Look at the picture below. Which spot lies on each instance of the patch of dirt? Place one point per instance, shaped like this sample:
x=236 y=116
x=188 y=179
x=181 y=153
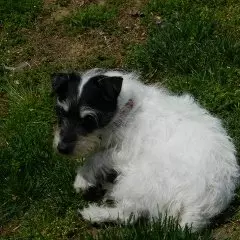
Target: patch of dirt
x=62 y=49
x=71 y=4
x=93 y=232
x=9 y=229
x=228 y=231
x=49 y=43
x=57 y=11
x=130 y=21
x=60 y=14
x=46 y=2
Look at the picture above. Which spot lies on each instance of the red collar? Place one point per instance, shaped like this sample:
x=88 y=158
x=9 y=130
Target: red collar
x=126 y=108
x=123 y=112
x=129 y=104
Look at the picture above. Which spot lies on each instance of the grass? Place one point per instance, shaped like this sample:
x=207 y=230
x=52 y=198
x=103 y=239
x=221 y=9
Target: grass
x=188 y=40
x=17 y=14
x=191 y=46
x=93 y=16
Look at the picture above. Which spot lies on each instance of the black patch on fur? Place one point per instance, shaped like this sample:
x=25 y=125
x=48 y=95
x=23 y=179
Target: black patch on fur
x=96 y=193
x=100 y=93
x=65 y=84
x=112 y=175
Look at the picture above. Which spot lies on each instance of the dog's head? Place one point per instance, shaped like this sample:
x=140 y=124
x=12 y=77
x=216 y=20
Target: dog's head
x=84 y=104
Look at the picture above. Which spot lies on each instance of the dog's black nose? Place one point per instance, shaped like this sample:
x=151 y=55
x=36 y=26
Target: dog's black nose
x=64 y=148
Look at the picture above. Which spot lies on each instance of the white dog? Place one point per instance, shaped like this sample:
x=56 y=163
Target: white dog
x=171 y=156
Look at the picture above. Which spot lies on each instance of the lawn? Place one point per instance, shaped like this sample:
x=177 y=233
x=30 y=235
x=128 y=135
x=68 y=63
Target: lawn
x=185 y=45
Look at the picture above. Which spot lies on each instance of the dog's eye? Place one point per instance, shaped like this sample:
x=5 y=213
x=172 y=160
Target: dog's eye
x=89 y=122
x=88 y=118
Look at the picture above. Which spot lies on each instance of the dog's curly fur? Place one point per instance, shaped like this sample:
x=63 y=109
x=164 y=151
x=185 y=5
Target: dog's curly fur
x=171 y=155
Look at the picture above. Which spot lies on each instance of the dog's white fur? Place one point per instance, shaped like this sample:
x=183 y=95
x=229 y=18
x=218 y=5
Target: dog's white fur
x=173 y=158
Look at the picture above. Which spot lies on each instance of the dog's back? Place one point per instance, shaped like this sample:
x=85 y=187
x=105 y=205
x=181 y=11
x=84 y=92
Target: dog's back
x=174 y=157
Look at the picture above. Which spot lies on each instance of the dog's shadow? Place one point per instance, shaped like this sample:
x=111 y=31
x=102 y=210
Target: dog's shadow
x=226 y=215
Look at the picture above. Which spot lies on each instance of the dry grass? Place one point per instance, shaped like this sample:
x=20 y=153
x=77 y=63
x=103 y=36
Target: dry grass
x=228 y=231
x=49 y=43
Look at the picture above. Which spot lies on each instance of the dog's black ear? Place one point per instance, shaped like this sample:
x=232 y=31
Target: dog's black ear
x=111 y=86
x=59 y=82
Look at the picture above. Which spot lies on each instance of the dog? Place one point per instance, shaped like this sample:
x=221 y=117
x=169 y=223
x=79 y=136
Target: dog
x=171 y=156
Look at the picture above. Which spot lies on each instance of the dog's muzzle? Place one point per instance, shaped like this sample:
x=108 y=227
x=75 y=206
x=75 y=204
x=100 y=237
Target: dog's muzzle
x=65 y=148
x=64 y=144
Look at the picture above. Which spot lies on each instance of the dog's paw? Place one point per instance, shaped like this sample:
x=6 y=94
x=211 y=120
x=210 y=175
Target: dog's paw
x=91 y=214
x=81 y=184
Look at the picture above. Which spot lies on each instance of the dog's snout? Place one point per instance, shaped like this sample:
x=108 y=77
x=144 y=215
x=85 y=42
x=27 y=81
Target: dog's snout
x=64 y=148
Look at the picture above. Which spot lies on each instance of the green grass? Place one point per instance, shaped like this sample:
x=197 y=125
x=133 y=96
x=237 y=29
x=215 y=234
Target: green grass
x=191 y=39
x=28 y=165
x=93 y=17
x=16 y=14
x=194 y=49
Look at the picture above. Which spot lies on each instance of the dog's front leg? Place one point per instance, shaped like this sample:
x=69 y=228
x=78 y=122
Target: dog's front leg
x=95 y=171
